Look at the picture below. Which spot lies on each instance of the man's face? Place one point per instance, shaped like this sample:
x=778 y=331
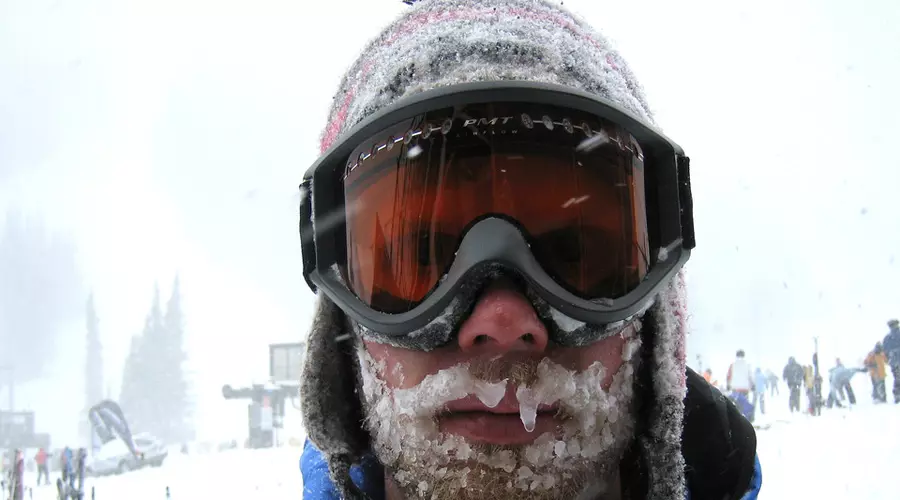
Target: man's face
x=501 y=411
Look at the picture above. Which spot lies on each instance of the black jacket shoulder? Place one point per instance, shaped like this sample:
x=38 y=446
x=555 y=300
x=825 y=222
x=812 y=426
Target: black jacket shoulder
x=718 y=443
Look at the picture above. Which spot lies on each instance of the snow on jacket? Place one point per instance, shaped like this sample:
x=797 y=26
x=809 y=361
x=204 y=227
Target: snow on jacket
x=740 y=378
x=892 y=346
x=876 y=362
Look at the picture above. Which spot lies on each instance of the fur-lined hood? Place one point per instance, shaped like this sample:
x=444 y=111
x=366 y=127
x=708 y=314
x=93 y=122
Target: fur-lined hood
x=438 y=43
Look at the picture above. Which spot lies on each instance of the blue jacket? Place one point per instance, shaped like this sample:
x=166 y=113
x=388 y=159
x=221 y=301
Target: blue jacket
x=67 y=460
x=892 y=346
x=369 y=477
x=760 y=381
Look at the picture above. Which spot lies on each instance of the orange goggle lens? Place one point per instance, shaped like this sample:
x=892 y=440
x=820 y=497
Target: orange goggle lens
x=573 y=183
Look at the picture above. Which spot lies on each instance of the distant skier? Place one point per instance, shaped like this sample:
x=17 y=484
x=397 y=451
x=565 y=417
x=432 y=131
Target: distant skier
x=818 y=401
x=739 y=382
x=66 y=466
x=772 y=383
x=80 y=458
x=876 y=362
x=892 y=350
x=759 y=393
x=40 y=459
x=793 y=377
x=810 y=382
x=839 y=378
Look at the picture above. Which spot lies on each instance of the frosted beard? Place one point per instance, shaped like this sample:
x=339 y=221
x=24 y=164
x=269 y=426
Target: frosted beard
x=580 y=462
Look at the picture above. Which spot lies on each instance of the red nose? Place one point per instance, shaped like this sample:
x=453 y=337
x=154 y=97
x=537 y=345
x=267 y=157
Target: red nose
x=503 y=320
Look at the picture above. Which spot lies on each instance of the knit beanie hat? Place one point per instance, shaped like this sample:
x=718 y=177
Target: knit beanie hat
x=439 y=43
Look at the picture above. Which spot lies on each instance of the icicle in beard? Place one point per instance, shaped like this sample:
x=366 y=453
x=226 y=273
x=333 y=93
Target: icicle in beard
x=582 y=462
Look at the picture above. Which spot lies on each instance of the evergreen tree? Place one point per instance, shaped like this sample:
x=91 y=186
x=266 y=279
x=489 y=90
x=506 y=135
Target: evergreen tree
x=94 y=357
x=93 y=373
x=155 y=391
x=131 y=398
x=174 y=384
x=139 y=399
x=41 y=292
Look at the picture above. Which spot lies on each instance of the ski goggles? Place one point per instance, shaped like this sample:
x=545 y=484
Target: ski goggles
x=588 y=204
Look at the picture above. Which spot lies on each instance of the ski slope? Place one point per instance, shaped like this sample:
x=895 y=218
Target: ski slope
x=844 y=453
x=245 y=474
x=841 y=454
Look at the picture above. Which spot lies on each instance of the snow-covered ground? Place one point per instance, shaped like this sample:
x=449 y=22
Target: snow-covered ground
x=842 y=454
x=240 y=474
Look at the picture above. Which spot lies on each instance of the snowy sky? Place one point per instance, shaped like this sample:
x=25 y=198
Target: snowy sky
x=169 y=137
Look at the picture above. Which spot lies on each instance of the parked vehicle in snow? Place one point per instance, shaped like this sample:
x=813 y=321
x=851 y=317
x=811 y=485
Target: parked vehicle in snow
x=114 y=457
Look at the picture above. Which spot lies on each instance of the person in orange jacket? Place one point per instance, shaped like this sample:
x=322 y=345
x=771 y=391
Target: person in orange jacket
x=40 y=459
x=876 y=362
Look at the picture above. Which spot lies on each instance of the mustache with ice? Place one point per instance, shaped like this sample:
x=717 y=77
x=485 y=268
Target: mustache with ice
x=596 y=423
x=552 y=383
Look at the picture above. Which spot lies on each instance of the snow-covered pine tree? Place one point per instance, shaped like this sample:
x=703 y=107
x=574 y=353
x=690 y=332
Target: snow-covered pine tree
x=131 y=397
x=41 y=291
x=144 y=368
x=93 y=369
x=94 y=357
x=174 y=384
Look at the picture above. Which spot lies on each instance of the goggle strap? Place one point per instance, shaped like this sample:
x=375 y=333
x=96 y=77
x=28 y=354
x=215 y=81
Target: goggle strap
x=306 y=232
x=686 y=200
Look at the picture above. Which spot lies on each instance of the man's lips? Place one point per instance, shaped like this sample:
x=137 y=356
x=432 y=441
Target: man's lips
x=500 y=425
x=509 y=404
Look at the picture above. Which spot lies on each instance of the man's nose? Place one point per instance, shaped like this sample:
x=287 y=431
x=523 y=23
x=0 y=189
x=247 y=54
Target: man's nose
x=503 y=320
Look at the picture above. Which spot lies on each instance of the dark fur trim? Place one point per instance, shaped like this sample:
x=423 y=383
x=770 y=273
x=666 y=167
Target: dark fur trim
x=332 y=412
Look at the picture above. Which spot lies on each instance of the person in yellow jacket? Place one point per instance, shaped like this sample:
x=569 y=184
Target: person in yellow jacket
x=809 y=381
x=876 y=362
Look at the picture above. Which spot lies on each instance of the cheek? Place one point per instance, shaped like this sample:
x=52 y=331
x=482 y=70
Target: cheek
x=403 y=368
x=607 y=351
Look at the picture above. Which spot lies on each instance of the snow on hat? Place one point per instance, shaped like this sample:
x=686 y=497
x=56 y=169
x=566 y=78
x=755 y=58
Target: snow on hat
x=438 y=43
x=445 y=42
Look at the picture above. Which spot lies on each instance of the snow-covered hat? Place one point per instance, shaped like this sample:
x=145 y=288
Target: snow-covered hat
x=438 y=43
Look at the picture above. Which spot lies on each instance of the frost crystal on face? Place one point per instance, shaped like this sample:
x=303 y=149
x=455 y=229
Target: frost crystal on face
x=447 y=385
x=490 y=393
x=407 y=439
x=564 y=322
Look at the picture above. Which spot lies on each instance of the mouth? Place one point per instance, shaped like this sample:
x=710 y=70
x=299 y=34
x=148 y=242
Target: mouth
x=500 y=425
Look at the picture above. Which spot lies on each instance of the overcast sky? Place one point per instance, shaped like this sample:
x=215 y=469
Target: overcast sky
x=170 y=136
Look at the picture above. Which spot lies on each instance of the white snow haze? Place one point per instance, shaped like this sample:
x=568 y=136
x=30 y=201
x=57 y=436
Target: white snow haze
x=168 y=138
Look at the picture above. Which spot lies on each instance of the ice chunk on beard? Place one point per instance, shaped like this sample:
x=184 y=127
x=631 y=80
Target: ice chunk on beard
x=407 y=440
x=447 y=385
